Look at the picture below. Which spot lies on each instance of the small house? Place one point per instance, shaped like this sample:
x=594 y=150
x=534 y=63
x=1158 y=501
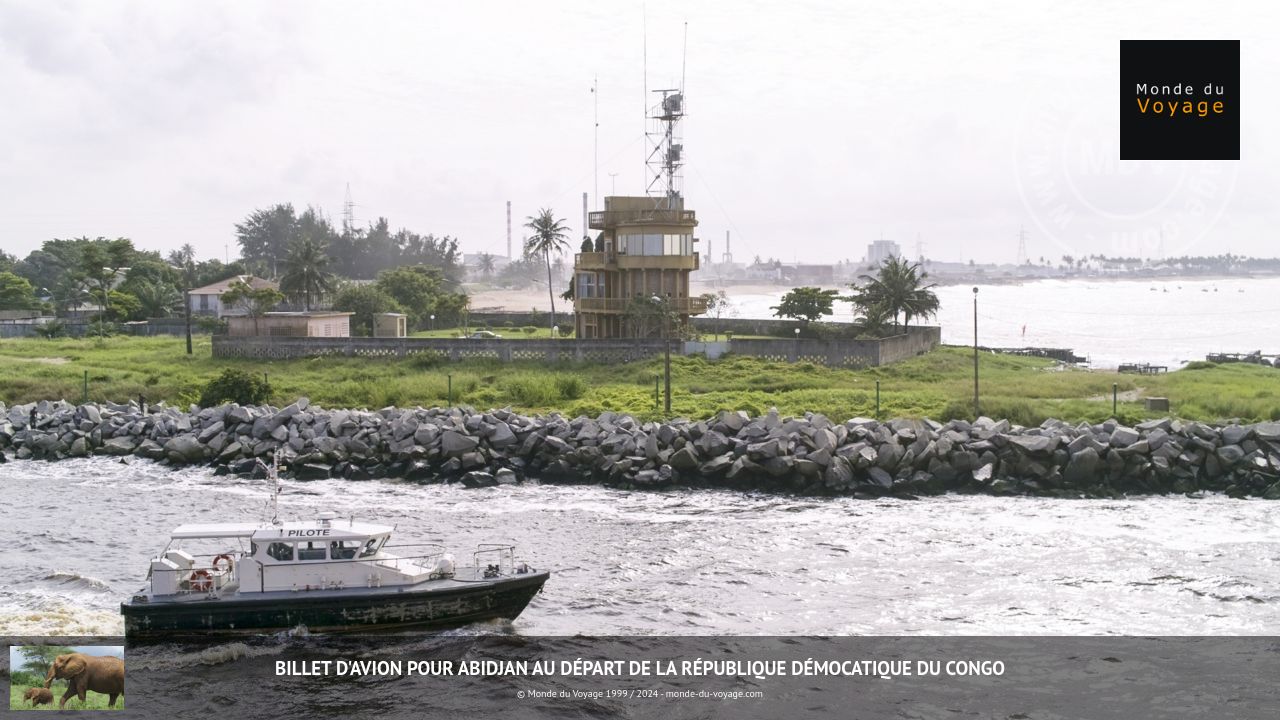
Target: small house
x=319 y=324
x=393 y=325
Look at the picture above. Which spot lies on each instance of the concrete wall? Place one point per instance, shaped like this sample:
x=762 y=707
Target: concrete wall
x=280 y=348
x=836 y=353
x=915 y=341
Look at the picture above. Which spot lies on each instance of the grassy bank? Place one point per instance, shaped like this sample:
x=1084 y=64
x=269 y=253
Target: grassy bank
x=937 y=385
x=92 y=700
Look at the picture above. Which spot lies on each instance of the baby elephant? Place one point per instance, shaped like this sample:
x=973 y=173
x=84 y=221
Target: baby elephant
x=38 y=696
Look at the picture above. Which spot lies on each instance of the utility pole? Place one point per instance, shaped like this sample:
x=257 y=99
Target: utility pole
x=187 y=308
x=509 y=257
x=664 y=304
x=976 y=412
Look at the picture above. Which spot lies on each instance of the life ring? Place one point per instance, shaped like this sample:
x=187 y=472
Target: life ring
x=230 y=562
x=201 y=581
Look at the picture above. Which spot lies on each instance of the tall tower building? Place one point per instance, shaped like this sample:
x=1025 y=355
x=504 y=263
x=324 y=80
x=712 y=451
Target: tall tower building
x=647 y=251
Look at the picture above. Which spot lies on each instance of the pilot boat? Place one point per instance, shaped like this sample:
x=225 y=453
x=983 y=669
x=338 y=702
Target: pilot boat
x=327 y=574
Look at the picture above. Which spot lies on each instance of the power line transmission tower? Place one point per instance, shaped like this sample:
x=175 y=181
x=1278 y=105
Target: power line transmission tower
x=348 y=213
x=1022 y=246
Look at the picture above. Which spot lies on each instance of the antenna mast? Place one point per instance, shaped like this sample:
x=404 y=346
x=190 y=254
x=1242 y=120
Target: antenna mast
x=1022 y=246
x=595 y=96
x=666 y=144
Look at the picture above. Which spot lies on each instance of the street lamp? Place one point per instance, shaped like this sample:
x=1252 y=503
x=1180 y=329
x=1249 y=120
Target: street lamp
x=433 y=323
x=666 y=353
x=976 y=413
x=796 y=350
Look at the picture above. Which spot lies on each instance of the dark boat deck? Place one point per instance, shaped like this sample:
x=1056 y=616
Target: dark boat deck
x=435 y=603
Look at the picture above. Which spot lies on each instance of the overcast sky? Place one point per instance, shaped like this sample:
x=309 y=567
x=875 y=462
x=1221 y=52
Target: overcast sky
x=813 y=127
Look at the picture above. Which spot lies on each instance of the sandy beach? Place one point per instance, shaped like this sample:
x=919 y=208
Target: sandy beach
x=485 y=299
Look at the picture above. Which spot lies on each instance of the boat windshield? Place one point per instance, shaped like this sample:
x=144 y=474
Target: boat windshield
x=343 y=549
x=310 y=550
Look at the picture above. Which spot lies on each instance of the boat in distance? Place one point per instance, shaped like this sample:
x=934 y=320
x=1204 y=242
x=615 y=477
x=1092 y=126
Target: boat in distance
x=327 y=574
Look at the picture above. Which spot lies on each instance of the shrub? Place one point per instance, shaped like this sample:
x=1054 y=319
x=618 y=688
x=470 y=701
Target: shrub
x=50 y=330
x=211 y=325
x=531 y=389
x=529 y=330
x=570 y=387
x=1200 y=365
x=235 y=386
x=101 y=328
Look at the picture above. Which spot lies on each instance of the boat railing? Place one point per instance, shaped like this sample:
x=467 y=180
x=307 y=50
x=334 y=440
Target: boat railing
x=494 y=556
x=202 y=580
x=414 y=564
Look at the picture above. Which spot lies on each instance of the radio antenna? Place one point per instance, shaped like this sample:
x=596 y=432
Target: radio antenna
x=274 y=474
x=644 y=66
x=684 y=55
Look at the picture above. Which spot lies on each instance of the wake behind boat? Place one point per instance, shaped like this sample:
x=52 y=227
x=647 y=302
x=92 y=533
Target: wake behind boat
x=328 y=574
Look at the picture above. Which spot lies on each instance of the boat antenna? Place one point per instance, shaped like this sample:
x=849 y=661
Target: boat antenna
x=274 y=475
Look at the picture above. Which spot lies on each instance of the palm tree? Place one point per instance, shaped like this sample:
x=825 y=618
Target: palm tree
x=549 y=235
x=306 y=273
x=182 y=257
x=159 y=300
x=896 y=290
x=486 y=264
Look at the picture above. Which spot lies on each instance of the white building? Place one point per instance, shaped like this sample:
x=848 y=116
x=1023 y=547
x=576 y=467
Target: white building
x=207 y=300
x=880 y=250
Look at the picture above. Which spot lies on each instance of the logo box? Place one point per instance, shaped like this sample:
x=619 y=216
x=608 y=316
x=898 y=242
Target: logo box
x=1179 y=99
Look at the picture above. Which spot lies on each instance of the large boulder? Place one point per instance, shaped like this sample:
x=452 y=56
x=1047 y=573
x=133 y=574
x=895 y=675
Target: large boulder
x=1082 y=467
x=684 y=459
x=184 y=449
x=1124 y=437
x=455 y=444
x=121 y=445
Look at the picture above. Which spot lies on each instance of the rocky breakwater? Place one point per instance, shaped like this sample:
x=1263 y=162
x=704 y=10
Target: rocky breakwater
x=809 y=454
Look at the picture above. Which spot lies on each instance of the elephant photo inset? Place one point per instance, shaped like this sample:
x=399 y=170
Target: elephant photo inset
x=86 y=677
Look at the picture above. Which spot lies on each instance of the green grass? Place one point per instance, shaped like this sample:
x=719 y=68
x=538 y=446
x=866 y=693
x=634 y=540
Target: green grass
x=937 y=385
x=92 y=700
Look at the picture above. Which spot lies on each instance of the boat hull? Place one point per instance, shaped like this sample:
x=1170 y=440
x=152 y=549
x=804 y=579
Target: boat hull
x=431 y=606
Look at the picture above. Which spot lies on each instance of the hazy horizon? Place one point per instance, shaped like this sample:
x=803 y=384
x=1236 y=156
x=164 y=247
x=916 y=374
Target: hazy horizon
x=813 y=128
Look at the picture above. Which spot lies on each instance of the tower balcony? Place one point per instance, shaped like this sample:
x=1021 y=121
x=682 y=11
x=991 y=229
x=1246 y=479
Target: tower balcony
x=680 y=305
x=615 y=261
x=604 y=219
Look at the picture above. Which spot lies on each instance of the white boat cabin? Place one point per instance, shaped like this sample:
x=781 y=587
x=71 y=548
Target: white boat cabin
x=322 y=554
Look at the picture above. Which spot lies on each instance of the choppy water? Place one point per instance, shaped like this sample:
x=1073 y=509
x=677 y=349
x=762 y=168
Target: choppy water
x=1163 y=322
x=78 y=534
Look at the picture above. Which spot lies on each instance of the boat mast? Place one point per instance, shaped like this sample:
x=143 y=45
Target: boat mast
x=274 y=475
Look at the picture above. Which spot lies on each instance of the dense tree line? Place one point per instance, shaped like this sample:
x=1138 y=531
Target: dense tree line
x=267 y=235
x=309 y=258
x=122 y=282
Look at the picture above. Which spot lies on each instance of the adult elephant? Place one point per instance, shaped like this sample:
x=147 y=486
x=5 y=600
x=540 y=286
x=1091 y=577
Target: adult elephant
x=86 y=672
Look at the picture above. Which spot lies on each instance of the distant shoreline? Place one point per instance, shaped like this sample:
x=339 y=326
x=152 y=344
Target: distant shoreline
x=498 y=300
